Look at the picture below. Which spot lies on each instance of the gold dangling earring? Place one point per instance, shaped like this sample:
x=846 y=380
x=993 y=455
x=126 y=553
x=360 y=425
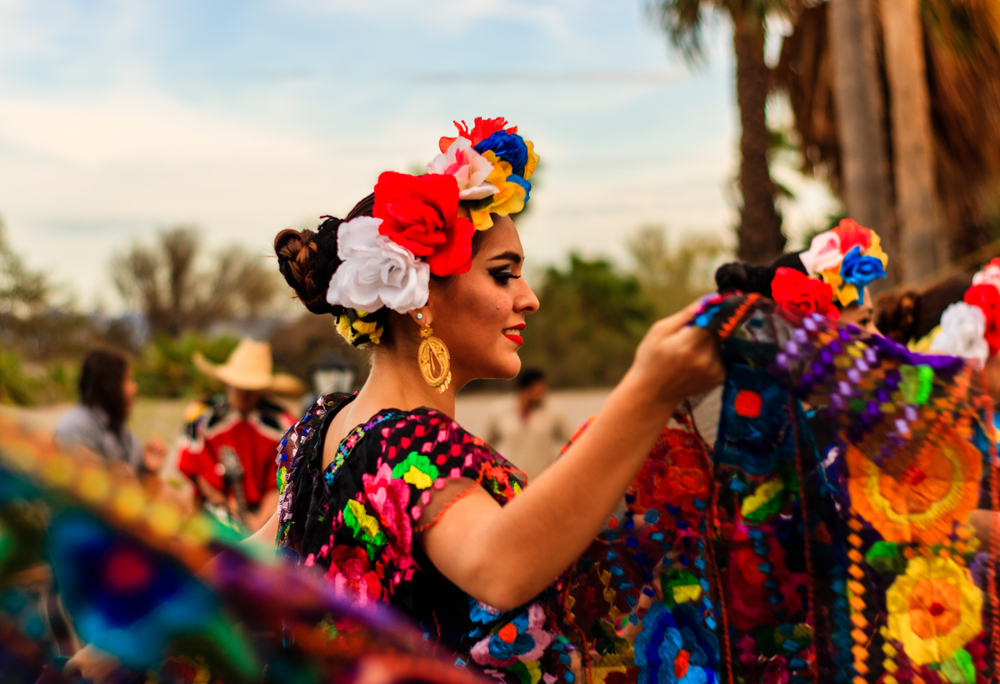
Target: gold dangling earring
x=434 y=360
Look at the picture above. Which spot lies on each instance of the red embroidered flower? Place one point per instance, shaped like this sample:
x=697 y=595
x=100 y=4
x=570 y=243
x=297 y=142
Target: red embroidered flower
x=420 y=213
x=850 y=234
x=796 y=290
x=987 y=298
x=352 y=574
x=390 y=498
x=481 y=130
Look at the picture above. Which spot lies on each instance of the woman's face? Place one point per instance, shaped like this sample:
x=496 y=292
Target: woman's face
x=130 y=388
x=480 y=314
x=861 y=314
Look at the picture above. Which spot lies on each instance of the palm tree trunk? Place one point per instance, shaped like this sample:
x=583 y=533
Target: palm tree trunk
x=923 y=242
x=759 y=232
x=864 y=160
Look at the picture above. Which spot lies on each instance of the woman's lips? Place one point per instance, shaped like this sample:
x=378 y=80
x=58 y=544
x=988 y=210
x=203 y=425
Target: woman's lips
x=512 y=334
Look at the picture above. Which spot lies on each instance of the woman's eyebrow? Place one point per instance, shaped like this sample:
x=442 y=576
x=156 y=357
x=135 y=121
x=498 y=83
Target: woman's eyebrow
x=507 y=256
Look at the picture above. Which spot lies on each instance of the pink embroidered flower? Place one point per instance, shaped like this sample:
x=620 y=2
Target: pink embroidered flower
x=521 y=639
x=352 y=575
x=390 y=498
x=468 y=167
x=824 y=253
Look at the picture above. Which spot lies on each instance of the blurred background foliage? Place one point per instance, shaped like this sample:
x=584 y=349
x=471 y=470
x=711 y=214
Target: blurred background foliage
x=593 y=315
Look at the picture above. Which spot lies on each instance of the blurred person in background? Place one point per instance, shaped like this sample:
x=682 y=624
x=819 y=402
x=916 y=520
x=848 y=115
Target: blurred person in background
x=527 y=427
x=98 y=426
x=230 y=440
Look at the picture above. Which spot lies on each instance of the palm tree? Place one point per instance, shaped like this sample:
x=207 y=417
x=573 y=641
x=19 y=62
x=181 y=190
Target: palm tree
x=857 y=101
x=759 y=232
x=961 y=47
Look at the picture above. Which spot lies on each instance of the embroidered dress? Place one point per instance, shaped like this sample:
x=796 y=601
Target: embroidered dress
x=356 y=522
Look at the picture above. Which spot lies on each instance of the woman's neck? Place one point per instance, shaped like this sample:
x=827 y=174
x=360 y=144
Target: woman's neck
x=395 y=382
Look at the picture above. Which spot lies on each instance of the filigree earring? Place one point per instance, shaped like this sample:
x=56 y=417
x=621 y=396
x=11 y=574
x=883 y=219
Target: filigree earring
x=434 y=360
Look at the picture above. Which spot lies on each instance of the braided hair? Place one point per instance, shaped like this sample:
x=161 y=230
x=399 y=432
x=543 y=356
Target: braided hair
x=308 y=259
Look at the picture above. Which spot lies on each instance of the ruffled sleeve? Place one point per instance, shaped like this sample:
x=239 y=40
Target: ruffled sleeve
x=419 y=453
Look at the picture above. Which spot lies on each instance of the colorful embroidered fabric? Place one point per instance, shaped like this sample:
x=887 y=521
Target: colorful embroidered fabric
x=135 y=576
x=356 y=519
x=822 y=544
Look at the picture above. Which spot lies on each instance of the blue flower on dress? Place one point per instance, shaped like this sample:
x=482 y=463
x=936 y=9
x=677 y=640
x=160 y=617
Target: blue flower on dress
x=860 y=270
x=754 y=429
x=520 y=639
x=674 y=648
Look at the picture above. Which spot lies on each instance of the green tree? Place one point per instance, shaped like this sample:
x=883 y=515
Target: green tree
x=590 y=322
x=759 y=231
x=672 y=278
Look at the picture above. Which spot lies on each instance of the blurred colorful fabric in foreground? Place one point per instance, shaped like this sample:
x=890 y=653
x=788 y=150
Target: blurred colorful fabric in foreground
x=172 y=598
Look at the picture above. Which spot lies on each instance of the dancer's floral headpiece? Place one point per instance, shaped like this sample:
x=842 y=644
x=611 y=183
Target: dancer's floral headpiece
x=423 y=225
x=847 y=258
x=840 y=264
x=971 y=328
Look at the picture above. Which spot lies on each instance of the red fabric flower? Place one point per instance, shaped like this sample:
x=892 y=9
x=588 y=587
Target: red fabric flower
x=850 y=234
x=796 y=290
x=420 y=213
x=481 y=130
x=987 y=298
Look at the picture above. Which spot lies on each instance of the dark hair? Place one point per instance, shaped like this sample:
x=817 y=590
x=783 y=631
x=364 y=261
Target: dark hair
x=102 y=383
x=753 y=278
x=529 y=376
x=910 y=315
x=308 y=260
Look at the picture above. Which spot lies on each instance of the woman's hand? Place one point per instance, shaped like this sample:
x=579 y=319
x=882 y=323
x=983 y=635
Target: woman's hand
x=154 y=454
x=675 y=361
x=506 y=555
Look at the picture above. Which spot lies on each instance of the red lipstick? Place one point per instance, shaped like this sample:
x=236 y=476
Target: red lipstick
x=514 y=337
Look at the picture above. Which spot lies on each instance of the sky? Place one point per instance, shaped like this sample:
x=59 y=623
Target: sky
x=119 y=118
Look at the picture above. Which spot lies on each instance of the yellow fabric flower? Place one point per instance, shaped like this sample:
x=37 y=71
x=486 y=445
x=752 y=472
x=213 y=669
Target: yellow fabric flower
x=532 y=164
x=876 y=250
x=845 y=293
x=509 y=198
x=934 y=609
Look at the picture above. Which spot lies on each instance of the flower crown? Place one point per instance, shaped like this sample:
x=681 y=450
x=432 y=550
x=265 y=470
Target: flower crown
x=423 y=225
x=840 y=262
x=847 y=258
x=971 y=328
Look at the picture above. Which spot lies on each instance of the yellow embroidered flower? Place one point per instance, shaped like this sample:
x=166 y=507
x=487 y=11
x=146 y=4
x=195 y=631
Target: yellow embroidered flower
x=509 y=198
x=934 y=609
x=920 y=500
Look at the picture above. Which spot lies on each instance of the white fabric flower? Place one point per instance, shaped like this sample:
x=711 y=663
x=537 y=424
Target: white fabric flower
x=963 y=333
x=988 y=276
x=823 y=254
x=469 y=168
x=376 y=271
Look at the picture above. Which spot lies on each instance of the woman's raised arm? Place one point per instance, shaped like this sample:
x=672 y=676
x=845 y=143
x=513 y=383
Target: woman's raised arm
x=506 y=555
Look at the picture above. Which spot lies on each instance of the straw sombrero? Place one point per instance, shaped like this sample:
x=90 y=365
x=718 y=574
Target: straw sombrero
x=250 y=368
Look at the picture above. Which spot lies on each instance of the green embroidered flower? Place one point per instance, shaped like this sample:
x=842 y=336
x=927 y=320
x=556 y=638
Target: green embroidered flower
x=365 y=527
x=416 y=470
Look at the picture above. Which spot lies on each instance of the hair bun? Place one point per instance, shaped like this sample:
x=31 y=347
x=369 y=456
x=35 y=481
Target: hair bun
x=745 y=278
x=308 y=260
x=897 y=315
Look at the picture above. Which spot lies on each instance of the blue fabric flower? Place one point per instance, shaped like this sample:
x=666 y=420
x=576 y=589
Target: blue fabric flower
x=513 y=178
x=674 y=648
x=508 y=147
x=860 y=270
x=754 y=429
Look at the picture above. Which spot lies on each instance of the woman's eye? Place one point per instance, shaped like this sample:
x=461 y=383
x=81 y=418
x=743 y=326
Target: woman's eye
x=503 y=277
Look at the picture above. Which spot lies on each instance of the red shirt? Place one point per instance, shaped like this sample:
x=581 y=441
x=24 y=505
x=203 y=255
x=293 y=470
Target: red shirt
x=255 y=437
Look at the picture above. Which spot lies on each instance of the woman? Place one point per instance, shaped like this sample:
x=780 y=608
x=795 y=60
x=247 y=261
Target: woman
x=383 y=490
x=839 y=264
x=98 y=426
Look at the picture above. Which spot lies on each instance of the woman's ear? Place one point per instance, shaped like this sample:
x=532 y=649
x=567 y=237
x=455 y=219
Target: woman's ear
x=422 y=316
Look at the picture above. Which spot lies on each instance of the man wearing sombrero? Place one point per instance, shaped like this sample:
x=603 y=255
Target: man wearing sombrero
x=230 y=440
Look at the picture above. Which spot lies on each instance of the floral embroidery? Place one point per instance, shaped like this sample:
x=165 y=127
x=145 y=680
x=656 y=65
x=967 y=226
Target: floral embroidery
x=416 y=470
x=365 y=527
x=934 y=609
x=673 y=648
x=922 y=500
x=352 y=574
x=520 y=639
